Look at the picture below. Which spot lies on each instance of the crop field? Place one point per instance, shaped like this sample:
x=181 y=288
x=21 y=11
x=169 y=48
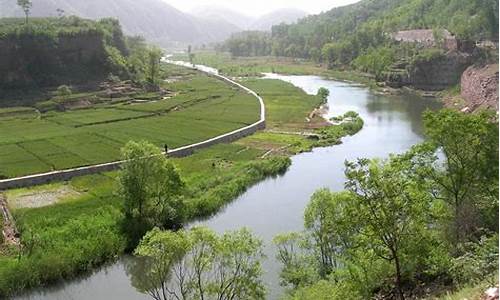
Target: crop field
x=200 y=107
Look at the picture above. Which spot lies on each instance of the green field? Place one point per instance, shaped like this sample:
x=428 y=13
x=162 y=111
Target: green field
x=202 y=107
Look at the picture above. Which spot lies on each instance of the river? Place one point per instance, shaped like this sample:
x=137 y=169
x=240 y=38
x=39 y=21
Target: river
x=276 y=205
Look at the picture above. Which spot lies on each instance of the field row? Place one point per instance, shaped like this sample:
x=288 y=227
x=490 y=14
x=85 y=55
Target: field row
x=203 y=107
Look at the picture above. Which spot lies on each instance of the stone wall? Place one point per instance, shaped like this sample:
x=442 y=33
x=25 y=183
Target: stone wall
x=62 y=175
x=479 y=87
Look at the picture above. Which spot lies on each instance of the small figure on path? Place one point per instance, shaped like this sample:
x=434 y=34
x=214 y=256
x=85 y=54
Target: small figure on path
x=166 y=149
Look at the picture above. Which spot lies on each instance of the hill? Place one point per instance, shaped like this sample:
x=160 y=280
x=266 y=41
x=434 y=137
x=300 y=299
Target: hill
x=154 y=19
x=211 y=12
x=285 y=15
x=245 y=22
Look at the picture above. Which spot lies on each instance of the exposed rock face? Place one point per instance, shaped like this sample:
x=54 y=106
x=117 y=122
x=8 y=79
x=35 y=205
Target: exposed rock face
x=479 y=85
x=433 y=74
x=439 y=73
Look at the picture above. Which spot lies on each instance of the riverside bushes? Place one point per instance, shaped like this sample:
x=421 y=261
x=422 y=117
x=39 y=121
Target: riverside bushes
x=209 y=202
x=66 y=239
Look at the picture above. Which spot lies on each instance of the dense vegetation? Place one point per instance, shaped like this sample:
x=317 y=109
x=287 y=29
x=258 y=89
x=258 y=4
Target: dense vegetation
x=420 y=219
x=357 y=34
x=199 y=264
x=70 y=50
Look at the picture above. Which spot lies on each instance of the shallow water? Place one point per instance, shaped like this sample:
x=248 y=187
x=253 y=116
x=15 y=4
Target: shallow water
x=276 y=205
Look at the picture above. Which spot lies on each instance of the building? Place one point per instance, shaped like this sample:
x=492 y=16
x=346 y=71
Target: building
x=427 y=38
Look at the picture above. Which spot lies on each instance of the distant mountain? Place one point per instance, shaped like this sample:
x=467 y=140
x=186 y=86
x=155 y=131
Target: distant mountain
x=244 y=22
x=211 y=12
x=285 y=15
x=154 y=19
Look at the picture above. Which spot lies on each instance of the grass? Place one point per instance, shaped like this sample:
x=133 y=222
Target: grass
x=287 y=106
x=203 y=107
x=471 y=291
x=255 y=66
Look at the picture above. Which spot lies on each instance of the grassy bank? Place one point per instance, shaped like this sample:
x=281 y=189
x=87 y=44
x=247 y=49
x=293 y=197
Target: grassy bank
x=255 y=66
x=77 y=225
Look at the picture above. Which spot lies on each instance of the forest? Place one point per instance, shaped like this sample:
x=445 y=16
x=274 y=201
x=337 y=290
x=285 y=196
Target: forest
x=358 y=35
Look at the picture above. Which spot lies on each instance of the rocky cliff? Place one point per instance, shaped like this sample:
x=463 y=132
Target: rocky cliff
x=431 y=73
x=479 y=87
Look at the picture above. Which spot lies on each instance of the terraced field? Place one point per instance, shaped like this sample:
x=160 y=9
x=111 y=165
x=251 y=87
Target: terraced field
x=202 y=107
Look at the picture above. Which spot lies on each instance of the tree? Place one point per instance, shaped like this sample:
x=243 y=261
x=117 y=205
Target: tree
x=199 y=264
x=391 y=211
x=26 y=7
x=190 y=54
x=150 y=187
x=325 y=220
x=64 y=91
x=467 y=177
x=154 y=55
x=323 y=93
x=299 y=266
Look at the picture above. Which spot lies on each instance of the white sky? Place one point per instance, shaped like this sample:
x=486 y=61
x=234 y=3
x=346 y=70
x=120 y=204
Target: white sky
x=259 y=7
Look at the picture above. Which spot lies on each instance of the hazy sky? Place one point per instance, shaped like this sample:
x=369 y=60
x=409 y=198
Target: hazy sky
x=259 y=7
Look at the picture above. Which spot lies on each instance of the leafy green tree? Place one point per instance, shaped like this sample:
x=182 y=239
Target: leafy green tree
x=154 y=55
x=150 y=187
x=325 y=220
x=300 y=267
x=26 y=7
x=375 y=61
x=467 y=176
x=199 y=264
x=323 y=93
x=391 y=212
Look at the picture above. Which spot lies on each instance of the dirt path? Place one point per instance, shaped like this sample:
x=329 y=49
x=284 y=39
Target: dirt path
x=10 y=233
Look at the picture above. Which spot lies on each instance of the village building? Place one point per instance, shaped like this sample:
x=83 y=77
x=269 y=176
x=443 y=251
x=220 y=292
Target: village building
x=427 y=38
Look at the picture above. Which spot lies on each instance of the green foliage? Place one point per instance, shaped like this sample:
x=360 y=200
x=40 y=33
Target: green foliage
x=359 y=33
x=404 y=209
x=480 y=259
x=64 y=239
x=323 y=93
x=350 y=124
x=209 y=202
x=198 y=264
x=467 y=180
x=38 y=56
x=375 y=60
x=150 y=187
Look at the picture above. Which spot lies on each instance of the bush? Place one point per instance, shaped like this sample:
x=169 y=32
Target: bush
x=479 y=261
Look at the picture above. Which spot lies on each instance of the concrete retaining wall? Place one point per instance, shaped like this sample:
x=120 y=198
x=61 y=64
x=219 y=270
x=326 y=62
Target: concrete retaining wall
x=63 y=175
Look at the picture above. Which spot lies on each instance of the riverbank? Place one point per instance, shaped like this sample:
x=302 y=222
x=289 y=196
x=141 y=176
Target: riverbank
x=257 y=66
x=82 y=230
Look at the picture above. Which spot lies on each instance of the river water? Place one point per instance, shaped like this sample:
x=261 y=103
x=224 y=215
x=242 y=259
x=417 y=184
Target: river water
x=276 y=205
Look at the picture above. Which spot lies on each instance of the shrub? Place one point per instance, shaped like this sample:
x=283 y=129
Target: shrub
x=479 y=261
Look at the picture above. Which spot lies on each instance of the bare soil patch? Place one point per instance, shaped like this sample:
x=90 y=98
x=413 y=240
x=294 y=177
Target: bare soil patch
x=39 y=198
